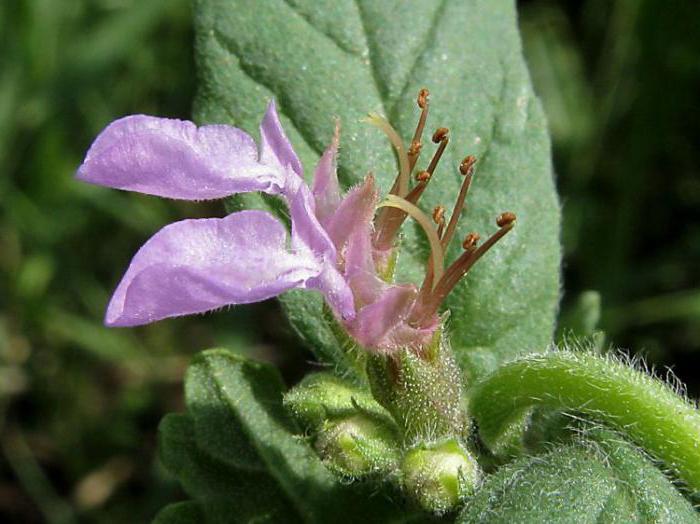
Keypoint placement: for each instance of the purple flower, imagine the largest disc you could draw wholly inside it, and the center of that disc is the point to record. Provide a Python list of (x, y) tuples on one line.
[(339, 244)]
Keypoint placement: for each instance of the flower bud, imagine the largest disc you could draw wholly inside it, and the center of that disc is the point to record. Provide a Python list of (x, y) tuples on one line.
[(358, 446), (439, 476), (322, 397)]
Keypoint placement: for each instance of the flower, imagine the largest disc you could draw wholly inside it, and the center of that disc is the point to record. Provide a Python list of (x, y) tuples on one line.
[(336, 246)]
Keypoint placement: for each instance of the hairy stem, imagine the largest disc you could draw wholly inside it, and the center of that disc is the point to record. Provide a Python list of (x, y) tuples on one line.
[(605, 389)]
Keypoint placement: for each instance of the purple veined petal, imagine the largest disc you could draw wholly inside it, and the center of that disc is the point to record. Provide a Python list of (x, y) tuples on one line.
[(375, 321), (355, 211), (336, 291), (176, 159), (404, 335), (325, 187), (360, 271), (308, 235), (195, 266), (275, 148), (307, 231)]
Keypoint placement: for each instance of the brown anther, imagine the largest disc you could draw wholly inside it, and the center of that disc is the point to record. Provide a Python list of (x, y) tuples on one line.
[(444, 140), (467, 165), (430, 301), (440, 134), (414, 148), (423, 95), (470, 241), (423, 176), (505, 219), (439, 215)]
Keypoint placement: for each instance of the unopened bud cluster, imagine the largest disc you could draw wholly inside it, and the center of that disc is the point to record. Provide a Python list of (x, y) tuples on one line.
[(410, 429)]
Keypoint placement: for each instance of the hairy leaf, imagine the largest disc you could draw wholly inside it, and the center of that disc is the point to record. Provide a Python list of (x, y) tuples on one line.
[(601, 480), (180, 513), (218, 487), (604, 389), (236, 453), (344, 58)]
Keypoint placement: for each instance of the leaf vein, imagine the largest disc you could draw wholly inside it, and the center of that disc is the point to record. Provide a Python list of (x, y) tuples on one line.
[(374, 73), (429, 37), (338, 43), (305, 134)]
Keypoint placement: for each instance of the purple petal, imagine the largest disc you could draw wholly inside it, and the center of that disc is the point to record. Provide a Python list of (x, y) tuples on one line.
[(336, 291), (326, 189), (354, 212), (176, 159), (308, 235), (307, 231), (275, 148), (403, 335), (194, 266), (360, 271), (375, 321)]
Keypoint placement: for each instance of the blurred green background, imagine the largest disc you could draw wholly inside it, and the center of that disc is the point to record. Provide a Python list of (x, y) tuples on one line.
[(79, 404)]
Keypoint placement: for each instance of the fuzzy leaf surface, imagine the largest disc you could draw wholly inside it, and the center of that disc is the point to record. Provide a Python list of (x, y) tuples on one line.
[(602, 480), (238, 454)]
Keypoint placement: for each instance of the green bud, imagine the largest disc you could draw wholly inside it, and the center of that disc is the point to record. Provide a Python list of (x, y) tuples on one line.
[(321, 397), (358, 446), (440, 476), (423, 392)]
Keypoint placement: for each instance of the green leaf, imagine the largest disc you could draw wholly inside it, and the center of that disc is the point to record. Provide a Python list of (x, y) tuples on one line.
[(236, 453), (250, 396), (180, 513), (604, 389), (218, 487), (326, 59), (657, 500), (601, 480), (566, 485)]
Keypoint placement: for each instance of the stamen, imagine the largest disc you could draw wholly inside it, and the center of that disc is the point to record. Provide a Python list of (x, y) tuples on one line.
[(467, 169), (470, 241), (424, 221), (414, 194), (414, 150), (469, 245), (505, 219), (440, 136), (439, 219), (467, 165), (422, 100), (423, 176), (459, 268), (401, 184), (389, 221)]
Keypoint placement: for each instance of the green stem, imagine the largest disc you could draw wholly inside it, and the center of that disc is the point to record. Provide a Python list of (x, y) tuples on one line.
[(605, 389)]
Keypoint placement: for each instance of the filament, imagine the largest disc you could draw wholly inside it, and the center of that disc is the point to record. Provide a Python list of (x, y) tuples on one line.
[(456, 212), (427, 225), (404, 169)]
